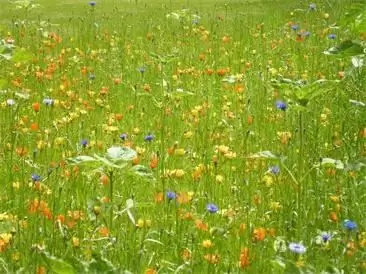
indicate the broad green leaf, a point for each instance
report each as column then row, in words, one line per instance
column 82, row 159
column 57, row 265
column 357, row 61
column 99, row 264
column 346, row 48
column 121, row 153
column 142, row 171
column 6, row 56
column 108, row 163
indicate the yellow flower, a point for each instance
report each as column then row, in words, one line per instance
column 223, row 149
column 219, row 178
column 179, row 173
column 75, row 241
column 59, row 141
column 4, row 216
column 207, row 244
column 268, row 180
column 6, row 237
column 179, row 151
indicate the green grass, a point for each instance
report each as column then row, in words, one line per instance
column 208, row 95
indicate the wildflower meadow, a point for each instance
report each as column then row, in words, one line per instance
column 182, row 136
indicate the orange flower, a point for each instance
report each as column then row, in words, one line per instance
column 135, row 160
column 200, row 225
column 103, row 91
column 34, row 127
column 333, row 216
column 60, row 218
column 76, row 215
column 150, row 271
column 221, row 72
column 21, row 151
column 159, row 197
column 154, row 161
column 212, row 258
column 118, row 116
column 259, row 234
column 103, row 231
column 250, row 119
column 186, row 254
column 244, row 258
column 41, row 270
column 209, row 71
column 363, row 132
column 239, row 88
column 183, row 198
column 104, row 179
column 36, row 106
column 47, row 213
column 117, row 81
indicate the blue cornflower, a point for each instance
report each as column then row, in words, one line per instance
column 312, row 6
column 171, row 195
column 149, row 138
column 349, row 225
column 274, row 170
column 281, row 105
column 141, row 70
column 295, row 27
column 84, row 143
column 48, row 101
column 36, row 177
column 325, row 236
column 332, row 36
column 123, row 136
column 212, row 208
column 297, row 248
column 92, row 3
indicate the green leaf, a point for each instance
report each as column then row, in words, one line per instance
column 57, row 265
column 121, row 153
column 108, row 163
column 6, row 56
column 82, row 159
column 346, row 48
column 99, row 264
column 142, row 171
